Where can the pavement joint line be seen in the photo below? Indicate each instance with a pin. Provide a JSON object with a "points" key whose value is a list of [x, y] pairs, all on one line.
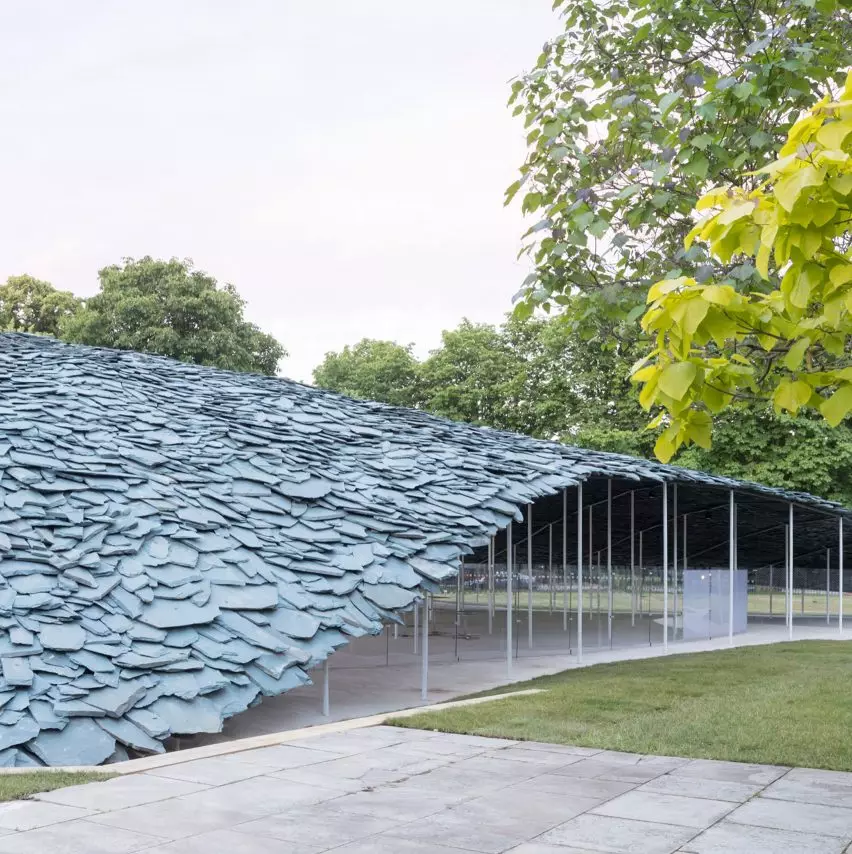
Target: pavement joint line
{"points": [[226, 748]]}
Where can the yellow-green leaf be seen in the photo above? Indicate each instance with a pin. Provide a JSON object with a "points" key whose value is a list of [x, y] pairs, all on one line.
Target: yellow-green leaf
{"points": [[676, 378], [791, 395], [794, 356], [790, 187], [837, 407]]}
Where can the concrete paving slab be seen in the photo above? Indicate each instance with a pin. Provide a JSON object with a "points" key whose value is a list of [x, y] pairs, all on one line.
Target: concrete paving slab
{"points": [[828, 793], [215, 771], [320, 826], [258, 796], [693, 787], [619, 835], [804, 818], [734, 772], [594, 767], [544, 848], [393, 845], [121, 793], [231, 842], [393, 802], [729, 838], [559, 784], [28, 815], [492, 833], [665, 809], [76, 837], [283, 756], [169, 820]]}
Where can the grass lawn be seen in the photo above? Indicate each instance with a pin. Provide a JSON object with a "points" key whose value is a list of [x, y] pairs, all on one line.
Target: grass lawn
{"points": [[787, 704], [13, 787]]}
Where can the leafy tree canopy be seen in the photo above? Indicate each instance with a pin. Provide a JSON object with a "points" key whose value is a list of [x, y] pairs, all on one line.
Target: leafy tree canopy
{"points": [[789, 336], [632, 113], [373, 370], [537, 377], [32, 305], [170, 308]]}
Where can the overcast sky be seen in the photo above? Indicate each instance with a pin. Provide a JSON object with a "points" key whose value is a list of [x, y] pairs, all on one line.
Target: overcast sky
{"points": [[341, 162]]}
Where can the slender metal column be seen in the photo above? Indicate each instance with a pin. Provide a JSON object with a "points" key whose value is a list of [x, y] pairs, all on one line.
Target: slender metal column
{"points": [[416, 626], [827, 584], [674, 555], [792, 567], [683, 559], [529, 577], [665, 566], [424, 644], [632, 559], [731, 564], [642, 571], [840, 575], [609, 561], [550, 562], [580, 572], [491, 586], [509, 616], [565, 562], [786, 575], [591, 565], [326, 708], [771, 569]]}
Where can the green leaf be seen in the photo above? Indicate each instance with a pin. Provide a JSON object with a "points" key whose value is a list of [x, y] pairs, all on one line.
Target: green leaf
{"points": [[794, 356], [676, 378], [697, 166], [668, 101], [837, 407]]}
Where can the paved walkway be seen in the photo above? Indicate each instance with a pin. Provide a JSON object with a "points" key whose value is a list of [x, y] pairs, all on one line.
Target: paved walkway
{"points": [[362, 685], [395, 791]]}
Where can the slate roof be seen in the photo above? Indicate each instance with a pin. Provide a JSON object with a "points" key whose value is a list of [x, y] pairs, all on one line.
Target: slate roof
{"points": [[177, 542]]}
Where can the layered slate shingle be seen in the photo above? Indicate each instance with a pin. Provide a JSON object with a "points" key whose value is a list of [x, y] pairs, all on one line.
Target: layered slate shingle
{"points": [[178, 542]]}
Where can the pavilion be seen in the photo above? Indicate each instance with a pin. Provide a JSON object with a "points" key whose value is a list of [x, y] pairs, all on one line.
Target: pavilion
{"points": [[178, 542]]}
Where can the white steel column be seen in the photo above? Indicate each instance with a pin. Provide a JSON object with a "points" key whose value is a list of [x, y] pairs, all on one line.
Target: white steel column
{"points": [[665, 566], [424, 651], [609, 560], [509, 569], [632, 559], [642, 570], [731, 563], [491, 586], [790, 576], [580, 571], [827, 585], [565, 561], [550, 563], [674, 556], [529, 577], [840, 575], [416, 625], [326, 709], [683, 558], [786, 575]]}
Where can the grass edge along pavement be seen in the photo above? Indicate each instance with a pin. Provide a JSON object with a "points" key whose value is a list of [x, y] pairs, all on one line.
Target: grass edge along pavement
{"points": [[18, 786], [781, 704]]}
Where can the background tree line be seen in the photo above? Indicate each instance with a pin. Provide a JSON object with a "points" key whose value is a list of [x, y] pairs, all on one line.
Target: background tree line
{"points": [[154, 306], [537, 376]]}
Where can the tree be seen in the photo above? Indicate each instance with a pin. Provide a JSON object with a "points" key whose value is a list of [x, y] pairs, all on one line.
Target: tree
{"points": [[537, 377], [632, 113], [789, 338], [32, 305], [170, 308], [373, 370]]}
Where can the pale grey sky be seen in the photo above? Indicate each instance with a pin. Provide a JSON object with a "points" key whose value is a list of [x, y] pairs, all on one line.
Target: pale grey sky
{"points": [[341, 162]]}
